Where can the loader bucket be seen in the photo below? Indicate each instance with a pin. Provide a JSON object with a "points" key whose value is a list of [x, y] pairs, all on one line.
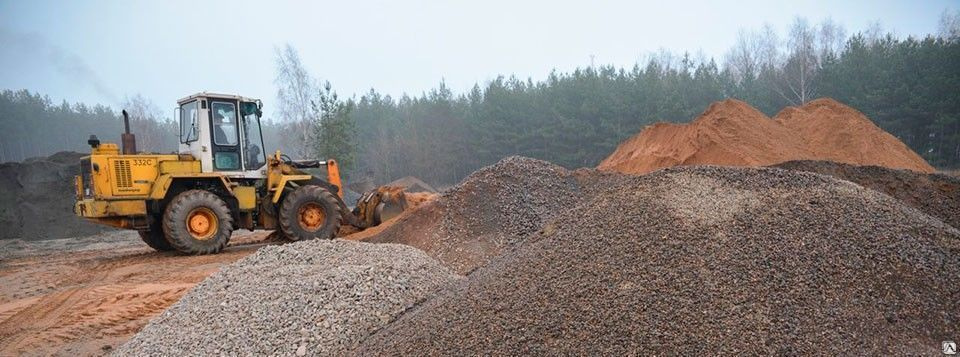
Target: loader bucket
{"points": [[392, 203], [381, 204]]}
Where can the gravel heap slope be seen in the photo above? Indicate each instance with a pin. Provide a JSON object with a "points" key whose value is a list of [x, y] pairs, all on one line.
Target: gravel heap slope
{"points": [[491, 210], [314, 297], [935, 194], [730, 260]]}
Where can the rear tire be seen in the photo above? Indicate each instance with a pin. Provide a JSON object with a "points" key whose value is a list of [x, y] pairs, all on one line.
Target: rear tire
{"points": [[155, 237], [309, 212], [197, 222]]}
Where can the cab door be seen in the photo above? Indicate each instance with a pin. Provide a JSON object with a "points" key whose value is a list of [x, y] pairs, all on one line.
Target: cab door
{"points": [[225, 135]]}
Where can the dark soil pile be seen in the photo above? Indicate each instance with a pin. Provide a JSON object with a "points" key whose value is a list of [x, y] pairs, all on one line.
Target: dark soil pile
{"points": [[494, 208], [39, 197], [732, 133], [730, 260], [936, 194]]}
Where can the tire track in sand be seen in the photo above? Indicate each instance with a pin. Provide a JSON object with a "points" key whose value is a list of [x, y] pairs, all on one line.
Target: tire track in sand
{"points": [[55, 305]]}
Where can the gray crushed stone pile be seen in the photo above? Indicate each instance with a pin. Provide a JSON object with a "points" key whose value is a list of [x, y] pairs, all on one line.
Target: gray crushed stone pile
{"points": [[704, 260], [493, 209], [308, 298]]}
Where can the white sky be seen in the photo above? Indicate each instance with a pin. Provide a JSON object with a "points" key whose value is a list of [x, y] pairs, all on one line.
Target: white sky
{"points": [[100, 51]]}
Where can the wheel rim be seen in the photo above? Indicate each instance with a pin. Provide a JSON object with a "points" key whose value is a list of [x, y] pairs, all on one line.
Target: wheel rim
{"points": [[311, 216], [202, 223]]}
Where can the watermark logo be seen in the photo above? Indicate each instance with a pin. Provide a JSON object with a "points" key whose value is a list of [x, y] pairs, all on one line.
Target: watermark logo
{"points": [[949, 348]]}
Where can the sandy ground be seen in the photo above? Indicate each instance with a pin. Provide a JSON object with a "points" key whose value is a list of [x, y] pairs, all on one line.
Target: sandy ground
{"points": [[84, 296]]}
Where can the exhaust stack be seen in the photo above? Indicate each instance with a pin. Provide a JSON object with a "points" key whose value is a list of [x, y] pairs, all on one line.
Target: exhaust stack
{"points": [[128, 140]]}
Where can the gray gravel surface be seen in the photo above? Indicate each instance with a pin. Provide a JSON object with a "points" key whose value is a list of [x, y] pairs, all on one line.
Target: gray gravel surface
{"points": [[491, 210], [935, 194], [705, 260], [306, 298]]}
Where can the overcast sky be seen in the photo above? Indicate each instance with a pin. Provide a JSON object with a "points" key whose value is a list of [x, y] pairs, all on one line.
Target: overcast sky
{"points": [[101, 51]]}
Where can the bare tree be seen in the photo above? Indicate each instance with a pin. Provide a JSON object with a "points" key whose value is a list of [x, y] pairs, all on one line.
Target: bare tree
{"points": [[949, 28], [753, 52], [796, 82], [742, 60], [768, 46], [295, 90], [664, 59], [830, 40], [873, 33]]}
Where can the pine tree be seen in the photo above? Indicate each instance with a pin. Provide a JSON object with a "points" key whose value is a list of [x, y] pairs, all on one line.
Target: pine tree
{"points": [[333, 128]]}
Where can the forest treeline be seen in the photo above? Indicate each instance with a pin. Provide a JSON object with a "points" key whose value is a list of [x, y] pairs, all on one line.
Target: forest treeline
{"points": [[31, 125], [909, 86]]}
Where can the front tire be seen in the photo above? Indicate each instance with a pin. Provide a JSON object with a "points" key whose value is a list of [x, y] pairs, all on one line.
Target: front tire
{"points": [[198, 222], [309, 212]]}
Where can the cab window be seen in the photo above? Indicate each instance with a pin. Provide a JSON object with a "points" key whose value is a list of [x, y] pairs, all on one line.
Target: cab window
{"points": [[188, 122], [224, 123]]}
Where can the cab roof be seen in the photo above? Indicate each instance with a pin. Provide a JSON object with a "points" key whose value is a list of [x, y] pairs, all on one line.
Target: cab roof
{"points": [[215, 96]]}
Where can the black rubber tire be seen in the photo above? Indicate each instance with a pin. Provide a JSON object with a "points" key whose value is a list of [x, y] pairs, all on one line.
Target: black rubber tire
{"points": [[175, 222], [290, 212], [155, 237]]}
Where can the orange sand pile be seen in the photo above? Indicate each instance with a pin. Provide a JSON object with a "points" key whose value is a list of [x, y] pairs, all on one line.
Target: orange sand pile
{"points": [[414, 201], [732, 133]]}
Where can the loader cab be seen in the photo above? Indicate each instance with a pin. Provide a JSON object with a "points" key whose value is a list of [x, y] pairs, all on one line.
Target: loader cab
{"points": [[223, 132]]}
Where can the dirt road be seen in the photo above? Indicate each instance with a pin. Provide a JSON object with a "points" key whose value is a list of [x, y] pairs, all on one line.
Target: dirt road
{"points": [[84, 296]]}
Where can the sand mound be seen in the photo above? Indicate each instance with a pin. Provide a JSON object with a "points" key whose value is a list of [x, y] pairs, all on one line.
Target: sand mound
{"points": [[837, 132], [733, 133], [730, 133], [412, 184], [937, 195], [414, 201], [38, 199], [733, 260], [494, 208]]}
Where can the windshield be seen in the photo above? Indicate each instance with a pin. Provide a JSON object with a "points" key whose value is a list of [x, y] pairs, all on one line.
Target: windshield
{"points": [[252, 140]]}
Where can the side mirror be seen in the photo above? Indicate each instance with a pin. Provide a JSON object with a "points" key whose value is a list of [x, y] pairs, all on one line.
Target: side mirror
{"points": [[247, 108]]}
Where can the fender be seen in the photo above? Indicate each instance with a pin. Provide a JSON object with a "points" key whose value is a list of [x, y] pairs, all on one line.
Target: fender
{"points": [[163, 182], [282, 182]]}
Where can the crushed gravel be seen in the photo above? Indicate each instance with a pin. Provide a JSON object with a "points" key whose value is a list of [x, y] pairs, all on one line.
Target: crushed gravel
{"points": [[680, 261], [306, 298], [709, 260], [491, 210], [935, 194]]}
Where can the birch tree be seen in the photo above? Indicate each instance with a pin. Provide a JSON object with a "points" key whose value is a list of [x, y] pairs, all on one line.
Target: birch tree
{"points": [[295, 91]]}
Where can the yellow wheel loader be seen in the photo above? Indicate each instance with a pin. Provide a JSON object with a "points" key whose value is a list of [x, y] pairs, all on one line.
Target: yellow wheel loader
{"points": [[220, 180]]}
